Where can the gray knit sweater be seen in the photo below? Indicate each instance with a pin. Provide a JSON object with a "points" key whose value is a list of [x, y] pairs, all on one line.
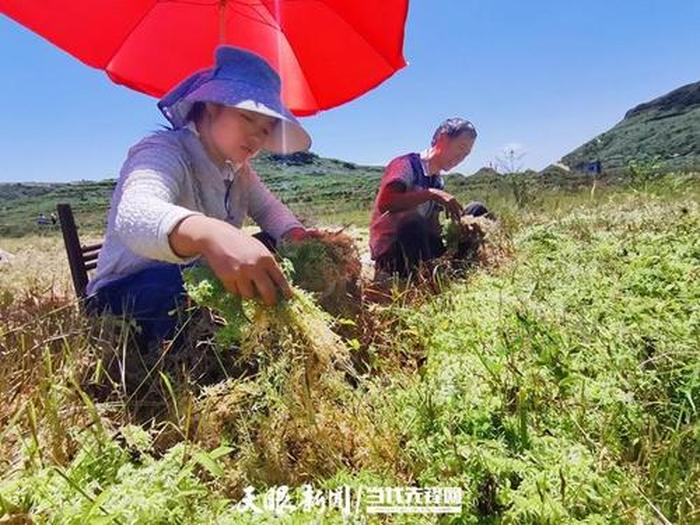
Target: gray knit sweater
{"points": [[165, 178]]}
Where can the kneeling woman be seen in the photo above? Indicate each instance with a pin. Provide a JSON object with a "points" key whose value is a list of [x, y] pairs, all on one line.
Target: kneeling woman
{"points": [[184, 193]]}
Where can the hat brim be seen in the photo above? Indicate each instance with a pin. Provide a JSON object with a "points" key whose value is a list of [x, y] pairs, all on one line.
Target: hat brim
{"points": [[288, 136]]}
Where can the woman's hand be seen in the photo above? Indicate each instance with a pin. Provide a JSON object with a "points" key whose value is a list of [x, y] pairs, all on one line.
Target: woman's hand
{"points": [[241, 262]]}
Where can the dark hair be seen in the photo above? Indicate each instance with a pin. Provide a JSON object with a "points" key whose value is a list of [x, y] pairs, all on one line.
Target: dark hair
{"points": [[453, 127], [196, 112]]}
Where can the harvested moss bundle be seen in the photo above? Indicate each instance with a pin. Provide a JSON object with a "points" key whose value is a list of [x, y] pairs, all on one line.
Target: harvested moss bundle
{"points": [[207, 290], [327, 264], [264, 333], [477, 240], [464, 239], [298, 414], [244, 321]]}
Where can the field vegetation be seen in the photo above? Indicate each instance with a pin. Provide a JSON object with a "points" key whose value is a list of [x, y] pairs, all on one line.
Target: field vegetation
{"points": [[553, 378]]}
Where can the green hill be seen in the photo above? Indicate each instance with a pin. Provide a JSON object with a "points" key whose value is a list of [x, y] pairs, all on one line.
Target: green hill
{"points": [[305, 181], [665, 130], [315, 188], [312, 186]]}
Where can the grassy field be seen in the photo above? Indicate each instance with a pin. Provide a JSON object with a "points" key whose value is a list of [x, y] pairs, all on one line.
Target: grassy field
{"points": [[558, 384]]}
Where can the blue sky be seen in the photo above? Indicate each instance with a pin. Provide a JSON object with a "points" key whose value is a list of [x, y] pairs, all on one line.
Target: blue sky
{"points": [[546, 75]]}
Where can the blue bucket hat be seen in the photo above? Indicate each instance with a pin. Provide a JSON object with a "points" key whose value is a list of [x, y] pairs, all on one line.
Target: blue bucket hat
{"points": [[244, 80]]}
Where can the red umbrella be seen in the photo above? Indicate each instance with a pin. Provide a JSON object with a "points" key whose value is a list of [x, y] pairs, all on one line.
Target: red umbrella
{"points": [[326, 51]]}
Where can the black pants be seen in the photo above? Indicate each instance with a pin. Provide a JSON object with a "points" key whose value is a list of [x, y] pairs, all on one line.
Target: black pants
{"points": [[418, 241]]}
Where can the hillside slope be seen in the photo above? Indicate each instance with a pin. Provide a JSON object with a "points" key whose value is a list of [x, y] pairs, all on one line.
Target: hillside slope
{"points": [[666, 129]]}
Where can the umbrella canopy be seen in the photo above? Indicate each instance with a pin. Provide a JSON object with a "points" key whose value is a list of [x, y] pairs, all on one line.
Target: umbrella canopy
{"points": [[327, 52]]}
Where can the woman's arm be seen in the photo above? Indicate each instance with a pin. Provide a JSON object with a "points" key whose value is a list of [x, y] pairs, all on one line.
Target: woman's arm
{"points": [[146, 210], [243, 264], [269, 212], [151, 225]]}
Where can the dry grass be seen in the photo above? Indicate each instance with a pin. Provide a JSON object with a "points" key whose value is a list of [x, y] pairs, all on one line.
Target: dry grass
{"points": [[296, 401], [297, 413], [38, 263]]}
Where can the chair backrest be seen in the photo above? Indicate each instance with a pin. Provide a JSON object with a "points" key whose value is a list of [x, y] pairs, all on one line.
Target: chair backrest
{"points": [[81, 258]]}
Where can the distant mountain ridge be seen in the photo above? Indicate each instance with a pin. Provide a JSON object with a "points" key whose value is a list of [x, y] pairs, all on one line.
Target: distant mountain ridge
{"points": [[677, 100], [665, 129]]}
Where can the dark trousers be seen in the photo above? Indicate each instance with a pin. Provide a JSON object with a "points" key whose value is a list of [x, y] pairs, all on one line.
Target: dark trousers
{"points": [[418, 241], [153, 297], [477, 209]]}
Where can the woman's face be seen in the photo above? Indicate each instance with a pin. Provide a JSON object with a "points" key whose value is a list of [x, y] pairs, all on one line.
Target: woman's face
{"points": [[237, 134]]}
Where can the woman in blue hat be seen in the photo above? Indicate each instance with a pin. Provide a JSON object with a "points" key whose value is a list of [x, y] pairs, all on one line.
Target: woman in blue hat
{"points": [[184, 193]]}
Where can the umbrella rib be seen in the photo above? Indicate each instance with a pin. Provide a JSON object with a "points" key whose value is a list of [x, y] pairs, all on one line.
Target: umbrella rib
{"points": [[289, 44], [371, 46], [259, 19], [232, 3], [188, 2], [131, 31]]}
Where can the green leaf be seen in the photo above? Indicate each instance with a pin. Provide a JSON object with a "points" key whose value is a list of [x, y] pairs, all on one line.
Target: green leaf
{"points": [[209, 463]]}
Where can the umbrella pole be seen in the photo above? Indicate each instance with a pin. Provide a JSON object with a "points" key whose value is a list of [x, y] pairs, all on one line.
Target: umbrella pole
{"points": [[222, 21]]}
